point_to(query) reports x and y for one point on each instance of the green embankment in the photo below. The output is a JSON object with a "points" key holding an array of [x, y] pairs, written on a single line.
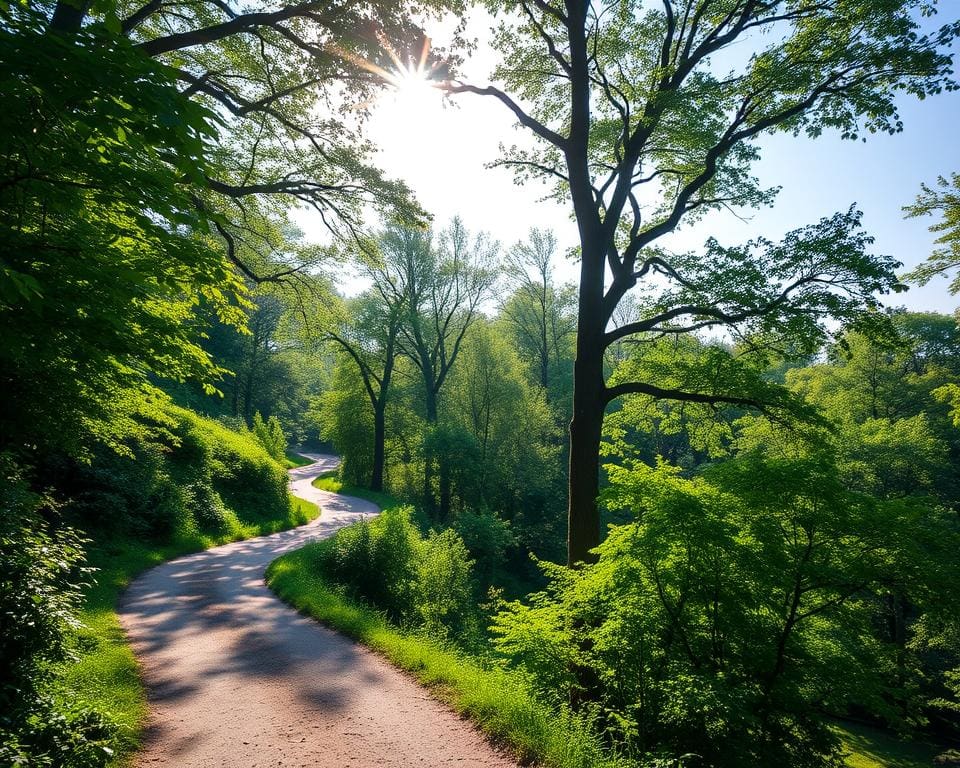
{"points": [[296, 460], [875, 748], [106, 673]]}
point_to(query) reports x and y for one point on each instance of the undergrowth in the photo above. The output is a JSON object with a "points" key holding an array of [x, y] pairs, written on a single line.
{"points": [[495, 698]]}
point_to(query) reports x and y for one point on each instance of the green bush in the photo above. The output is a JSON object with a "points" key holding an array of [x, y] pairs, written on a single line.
{"points": [[249, 481], [41, 571], [732, 615], [194, 476], [420, 581], [488, 538], [270, 435], [445, 594]]}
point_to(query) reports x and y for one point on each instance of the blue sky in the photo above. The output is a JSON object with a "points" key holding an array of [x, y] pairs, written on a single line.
{"points": [[880, 175]]}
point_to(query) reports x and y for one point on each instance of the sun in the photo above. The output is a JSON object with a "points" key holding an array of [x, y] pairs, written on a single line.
{"points": [[413, 80], [412, 83]]}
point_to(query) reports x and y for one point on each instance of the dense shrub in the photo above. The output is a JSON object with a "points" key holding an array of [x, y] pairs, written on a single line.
{"points": [[248, 479], [195, 477], [488, 538], [421, 581], [732, 614], [41, 570], [343, 418], [445, 594], [270, 435]]}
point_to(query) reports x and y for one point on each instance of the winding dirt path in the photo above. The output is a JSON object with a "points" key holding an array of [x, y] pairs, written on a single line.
{"points": [[237, 678]]}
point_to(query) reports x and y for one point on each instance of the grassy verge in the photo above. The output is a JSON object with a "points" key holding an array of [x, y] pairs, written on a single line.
{"points": [[875, 748], [106, 674], [328, 482], [498, 701], [296, 460]]}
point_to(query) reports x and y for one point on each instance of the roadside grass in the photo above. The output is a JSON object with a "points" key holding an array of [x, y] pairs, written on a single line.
{"points": [[106, 676], [875, 748], [294, 460], [494, 698], [328, 482]]}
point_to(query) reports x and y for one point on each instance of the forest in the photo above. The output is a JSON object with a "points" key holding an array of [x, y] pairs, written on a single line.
{"points": [[641, 506]]}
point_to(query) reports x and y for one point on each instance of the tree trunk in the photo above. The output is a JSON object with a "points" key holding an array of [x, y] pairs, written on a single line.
{"points": [[379, 438], [544, 360], [68, 15], [583, 517]]}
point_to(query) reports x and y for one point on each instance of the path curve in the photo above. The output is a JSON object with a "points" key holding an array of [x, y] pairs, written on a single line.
{"points": [[238, 679]]}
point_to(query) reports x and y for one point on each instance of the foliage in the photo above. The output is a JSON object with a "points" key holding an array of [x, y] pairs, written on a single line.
{"points": [[645, 117], [202, 478], [368, 338], [445, 582], [732, 612], [270, 435], [344, 418], [437, 284], [710, 369], [500, 702], [943, 201], [490, 417], [488, 538], [501, 429], [103, 250], [541, 315], [41, 576], [426, 582]]}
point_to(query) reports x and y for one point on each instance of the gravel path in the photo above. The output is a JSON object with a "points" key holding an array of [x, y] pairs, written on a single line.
{"points": [[237, 678]]}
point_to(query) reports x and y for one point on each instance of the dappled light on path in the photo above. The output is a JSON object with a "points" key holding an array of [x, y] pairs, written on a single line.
{"points": [[237, 678]]}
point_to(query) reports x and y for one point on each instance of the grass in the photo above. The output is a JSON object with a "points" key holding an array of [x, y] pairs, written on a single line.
{"points": [[106, 675], [496, 699], [328, 482], [296, 460], [876, 748]]}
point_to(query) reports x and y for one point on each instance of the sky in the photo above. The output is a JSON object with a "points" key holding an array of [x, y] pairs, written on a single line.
{"points": [[441, 149]]}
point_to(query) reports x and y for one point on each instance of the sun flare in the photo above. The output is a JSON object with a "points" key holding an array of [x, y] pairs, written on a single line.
{"points": [[413, 80], [413, 83]]}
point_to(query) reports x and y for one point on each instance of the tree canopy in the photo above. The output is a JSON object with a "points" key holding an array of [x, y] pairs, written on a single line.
{"points": [[646, 115]]}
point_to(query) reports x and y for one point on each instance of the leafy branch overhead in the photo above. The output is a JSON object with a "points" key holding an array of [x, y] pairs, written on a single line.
{"points": [[651, 116], [290, 87], [943, 201], [160, 175]]}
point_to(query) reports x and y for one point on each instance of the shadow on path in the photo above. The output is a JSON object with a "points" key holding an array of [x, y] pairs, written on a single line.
{"points": [[237, 678]]}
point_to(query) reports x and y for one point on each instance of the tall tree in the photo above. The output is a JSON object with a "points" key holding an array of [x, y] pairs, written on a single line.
{"points": [[160, 174], [441, 288], [539, 312], [647, 115], [264, 68], [99, 269], [368, 335]]}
